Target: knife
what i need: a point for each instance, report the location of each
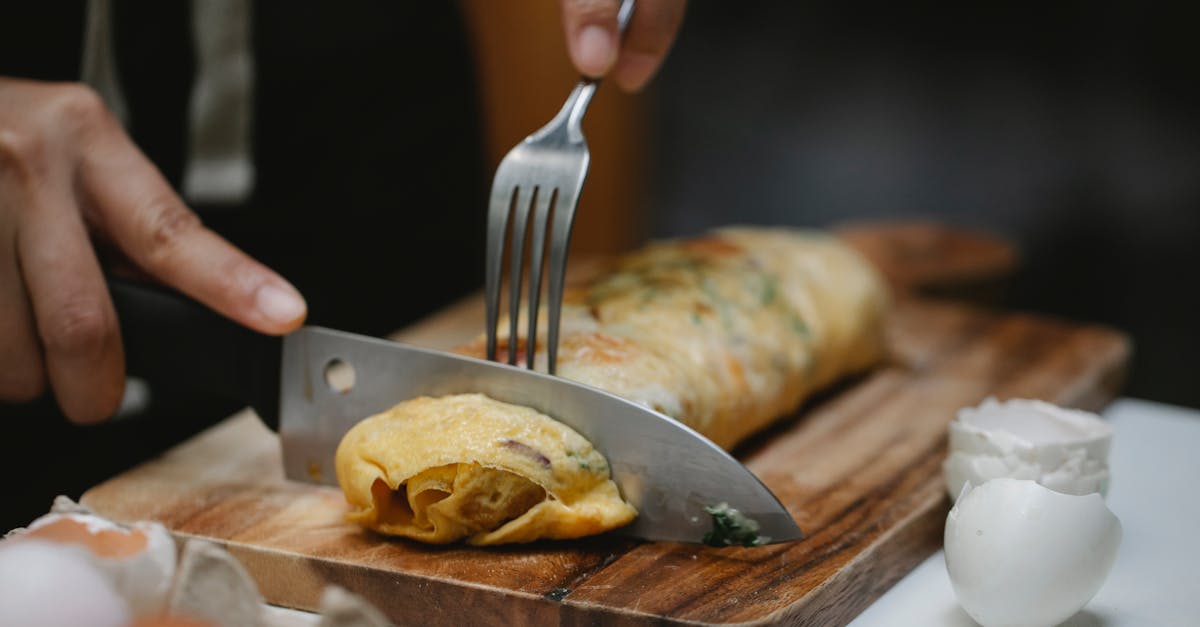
(666, 470)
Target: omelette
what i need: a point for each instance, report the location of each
(469, 467)
(725, 333)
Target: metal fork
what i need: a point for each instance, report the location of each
(540, 178)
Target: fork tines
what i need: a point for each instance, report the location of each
(542, 175)
(518, 214)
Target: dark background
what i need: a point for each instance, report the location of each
(1070, 129)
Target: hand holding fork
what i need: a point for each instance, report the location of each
(537, 186)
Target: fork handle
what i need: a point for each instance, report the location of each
(623, 15)
(581, 96)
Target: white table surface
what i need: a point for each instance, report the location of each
(1155, 465)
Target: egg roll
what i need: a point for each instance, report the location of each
(726, 333)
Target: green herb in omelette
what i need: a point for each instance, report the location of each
(732, 528)
(578, 459)
(591, 463)
(770, 289)
(799, 326)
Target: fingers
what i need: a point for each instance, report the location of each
(651, 33)
(22, 378)
(74, 316)
(596, 49)
(56, 321)
(65, 166)
(591, 30)
(138, 211)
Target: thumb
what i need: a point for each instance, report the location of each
(591, 31)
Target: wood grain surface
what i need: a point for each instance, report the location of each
(859, 468)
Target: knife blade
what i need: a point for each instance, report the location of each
(666, 470)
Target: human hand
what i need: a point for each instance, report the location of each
(69, 174)
(596, 49)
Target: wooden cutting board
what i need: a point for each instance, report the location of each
(859, 469)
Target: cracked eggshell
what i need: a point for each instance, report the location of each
(46, 584)
(1065, 450)
(1021, 555)
(138, 559)
(212, 585)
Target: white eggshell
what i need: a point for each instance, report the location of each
(1021, 555)
(213, 586)
(44, 584)
(141, 574)
(1063, 449)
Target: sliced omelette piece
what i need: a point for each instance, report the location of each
(468, 467)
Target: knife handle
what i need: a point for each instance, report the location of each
(174, 342)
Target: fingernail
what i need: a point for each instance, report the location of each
(279, 304)
(596, 50)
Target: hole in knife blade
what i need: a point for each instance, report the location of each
(339, 376)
